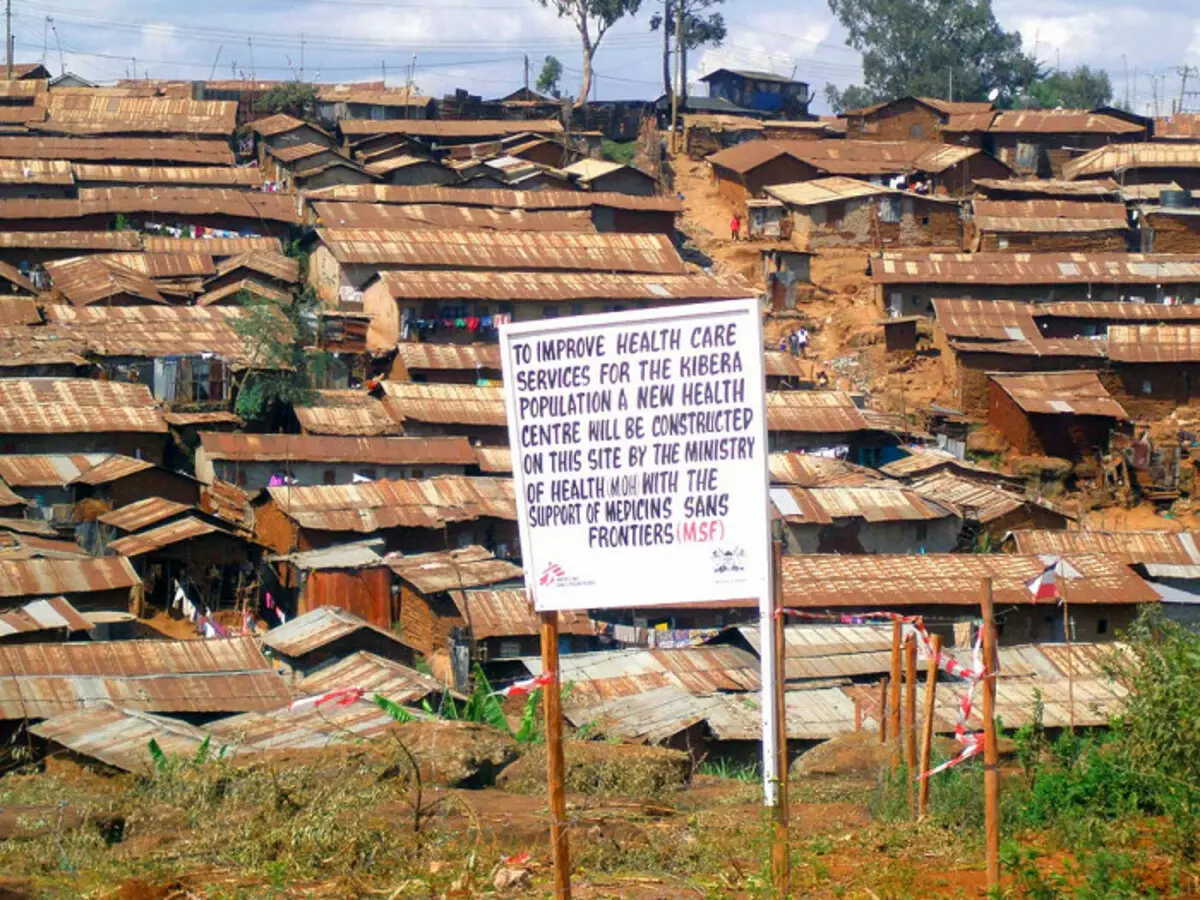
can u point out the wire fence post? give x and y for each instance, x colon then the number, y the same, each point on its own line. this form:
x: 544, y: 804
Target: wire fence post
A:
x: 894, y: 712
x: 883, y: 705
x: 552, y: 697
x: 910, y: 717
x: 991, y: 755
x: 931, y: 677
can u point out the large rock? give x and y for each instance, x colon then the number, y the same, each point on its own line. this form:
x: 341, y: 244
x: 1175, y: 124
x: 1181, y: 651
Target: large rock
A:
x: 1044, y: 468
x: 626, y: 770
x: 986, y: 440
x: 458, y: 754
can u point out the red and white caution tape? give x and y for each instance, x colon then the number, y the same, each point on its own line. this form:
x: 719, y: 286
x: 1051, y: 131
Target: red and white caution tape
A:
x: 342, y: 697
x: 972, y: 747
x: 528, y: 686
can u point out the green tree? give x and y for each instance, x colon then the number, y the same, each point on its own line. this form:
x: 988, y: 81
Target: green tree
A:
x: 295, y: 98
x: 853, y: 97
x: 700, y: 28
x: 1081, y: 88
x: 592, y: 19
x: 550, y: 76
x: 918, y: 47
x: 281, y: 366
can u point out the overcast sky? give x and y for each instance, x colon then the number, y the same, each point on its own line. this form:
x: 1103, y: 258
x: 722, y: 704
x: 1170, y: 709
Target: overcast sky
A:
x: 479, y: 45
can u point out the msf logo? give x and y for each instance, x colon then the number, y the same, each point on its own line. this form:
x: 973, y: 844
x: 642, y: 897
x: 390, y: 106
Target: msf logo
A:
x: 551, y: 574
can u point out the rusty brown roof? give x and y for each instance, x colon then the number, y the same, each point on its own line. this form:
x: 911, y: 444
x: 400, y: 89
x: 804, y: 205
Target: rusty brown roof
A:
x: 1060, y: 393
x: 210, y: 176
x: 971, y: 498
x: 465, y: 357
x: 1049, y: 216
x: 1161, y: 547
x: 422, y: 195
x: 886, y: 581
x: 85, y: 280
x: 43, y: 615
x: 141, y: 513
x: 846, y: 157
x: 451, y: 404
x: 923, y: 461
x: 297, y: 152
x: 986, y: 320
x: 76, y: 406
x: 83, y: 114
x: 1154, y: 343
x: 35, y: 171
x: 494, y: 460
x: 508, y: 613
x: 280, y: 123
x: 1033, y: 268
x: 164, y: 266
x: 1112, y: 159
x: 1042, y: 121
x: 1083, y: 348
x: 32, y: 345
x: 318, y: 628
x: 51, y: 577
x: 106, y: 149
x: 216, y: 247
x: 265, y: 262
x: 872, y: 503
x: 187, y: 528
x: 549, y: 287
x: 806, y: 470
x: 398, y: 451
x: 1050, y: 187
x: 13, y: 276
x: 47, y: 469
x: 1118, y: 312
x: 234, y: 289
x: 370, y: 95
x: 112, y: 241
x: 346, y: 412
x: 648, y: 253
x: 457, y: 128
x: 1179, y: 127
x: 384, y: 216
x: 43, y: 680
x: 784, y: 365
x: 826, y: 412
x: 413, y: 503
x: 457, y: 569
x: 191, y: 201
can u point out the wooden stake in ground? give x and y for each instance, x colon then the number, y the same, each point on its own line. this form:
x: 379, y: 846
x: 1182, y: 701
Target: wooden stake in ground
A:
x: 931, y: 676
x: 910, y: 716
x: 883, y: 709
x: 894, y: 712
x: 552, y: 699
x: 991, y: 755
x: 1062, y: 588
x: 780, y: 854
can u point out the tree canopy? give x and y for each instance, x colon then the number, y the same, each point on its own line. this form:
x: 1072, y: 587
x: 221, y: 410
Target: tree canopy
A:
x: 919, y: 47
x: 1081, y: 88
x: 283, y: 367
x: 295, y: 98
x: 550, y: 76
x: 592, y: 19
x: 700, y: 28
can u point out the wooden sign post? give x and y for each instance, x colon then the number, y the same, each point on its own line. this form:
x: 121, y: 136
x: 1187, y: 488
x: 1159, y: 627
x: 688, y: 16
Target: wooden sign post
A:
x: 894, y: 712
x: 910, y: 717
x: 555, y: 764
x: 883, y: 709
x: 931, y: 677
x: 991, y: 755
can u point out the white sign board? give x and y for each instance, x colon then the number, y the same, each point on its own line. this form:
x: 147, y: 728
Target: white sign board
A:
x: 639, y: 444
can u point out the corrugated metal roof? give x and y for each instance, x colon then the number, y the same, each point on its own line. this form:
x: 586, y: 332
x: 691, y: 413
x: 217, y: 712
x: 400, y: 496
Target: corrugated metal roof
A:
x: 112, y: 468
x: 365, y: 554
x: 51, y: 577
x: 1116, y: 312
x: 465, y: 357
x: 497, y: 199
x: 1049, y: 216
x: 467, y: 567
x: 19, y: 311
x: 372, y: 674
x: 1050, y: 187
x: 27, y: 526
x: 163, y: 265
x: 319, y: 628
x: 1083, y: 348
x: 451, y: 404
x: 544, y: 287
x: 1162, y: 547
x: 105, y: 149
x: 826, y: 412
x: 82, y: 114
x: 141, y: 513
x: 805, y: 470
x: 47, y: 470
x: 1154, y: 343
x: 187, y: 528
x: 13, y: 276
x: 297, y: 152
x: 212, y: 246
x: 369, y: 95
x: 448, y: 128
x: 184, y: 419
x: 373, y: 215
x: 366, y: 508
x: 280, y: 123
x: 921, y: 460
x: 1033, y: 268
x: 44, y: 680
x: 265, y: 262
x: 973, y: 499
x: 320, y: 448
x: 646, y: 253
x: 212, y: 176
x: 1115, y: 158
x: 494, y: 459
x: 1043, y: 121
x: 250, y: 286
x: 1056, y: 393
x: 508, y: 613
x: 76, y: 405
x: 22, y: 345
x: 348, y: 412
x: 847, y: 157
x: 825, y: 190
x: 823, y: 505
x: 112, y: 241
x: 189, y: 201
x: 35, y: 171
x: 9, y: 498
x: 885, y: 581
x: 43, y: 615
x: 85, y: 280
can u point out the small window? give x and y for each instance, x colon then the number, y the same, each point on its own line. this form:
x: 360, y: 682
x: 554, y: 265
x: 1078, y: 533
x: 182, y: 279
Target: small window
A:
x: 549, y: 312
x: 1027, y: 157
x: 916, y: 131
x: 925, y: 219
x: 328, y: 477
x: 577, y: 309
x: 922, y: 531
x: 1002, y: 243
x: 417, y: 473
x: 368, y: 474
x: 1102, y: 626
x: 890, y: 209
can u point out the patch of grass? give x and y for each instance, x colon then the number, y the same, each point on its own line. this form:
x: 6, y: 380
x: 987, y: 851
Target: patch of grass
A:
x: 749, y: 772
x: 618, y: 152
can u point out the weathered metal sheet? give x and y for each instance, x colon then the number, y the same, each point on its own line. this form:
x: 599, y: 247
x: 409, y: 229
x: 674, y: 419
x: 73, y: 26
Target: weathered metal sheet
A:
x: 111, y: 241
x: 543, y: 287
x: 51, y: 577
x: 1169, y: 548
x: 1059, y: 121
x: 508, y: 613
x: 494, y: 460
x: 319, y: 628
x: 1049, y: 216
x: 397, y: 451
x: 450, y: 404
x: 1154, y: 343
x: 806, y: 470
x: 986, y: 320
x: 36, y: 172
x: 1116, y: 312
x: 196, y: 201
x: 823, y: 505
x: 164, y: 265
x: 493, y: 199
x: 1059, y: 393
x: 85, y: 280
x: 1049, y: 187
x: 835, y: 189
x: 280, y: 123
x: 103, y: 149
x: 187, y: 528
x: 387, y: 216
x: 1112, y: 158
x: 47, y: 470
x: 138, y: 515
x: 1033, y: 268
x: 264, y: 262
x: 823, y: 412
x: 81, y: 114
x: 971, y: 498
x: 450, y: 128
x: 468, y: 567
x: 209, y: 176
x: 249, y: 285
x: 348, y: 412
x: 365, y: 508
x: 886, y: 581
x: 51, y: 614
x: 19, y: 311
x: 215, y: 246
x: 76, y: 405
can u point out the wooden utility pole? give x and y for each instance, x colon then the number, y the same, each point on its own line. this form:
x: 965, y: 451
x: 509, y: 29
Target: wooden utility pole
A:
x: 780, y: 874
x: 910, y: 714
x: 1062, y: 589
x: 552, y: 698
x: 8, y: 47
x: 991, y: 755
x: 678, y: 71
x: 931, y: 676
x: 894, y: 712
x: 883, y: 709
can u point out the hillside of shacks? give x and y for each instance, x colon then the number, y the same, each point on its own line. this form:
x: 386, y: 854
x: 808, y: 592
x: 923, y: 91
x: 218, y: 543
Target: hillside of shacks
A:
x: 253, y: 442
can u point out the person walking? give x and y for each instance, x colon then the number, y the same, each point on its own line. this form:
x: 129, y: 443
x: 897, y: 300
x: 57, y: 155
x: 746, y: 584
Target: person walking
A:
x: 735, y: 227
